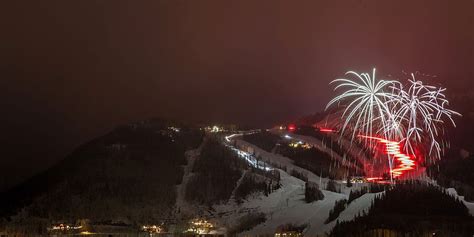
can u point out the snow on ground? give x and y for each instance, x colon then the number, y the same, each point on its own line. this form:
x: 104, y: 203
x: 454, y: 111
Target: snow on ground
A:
x: 318, y: 144
x: 357, y: 206
x: 283, y: 206
x: 469, y: 205
x: 287, y: 205
x: 280, y: 161
x: 232, y: 195
x: 182, y: 207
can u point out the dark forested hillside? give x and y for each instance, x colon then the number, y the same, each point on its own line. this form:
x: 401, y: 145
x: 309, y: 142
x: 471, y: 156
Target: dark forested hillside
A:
x: 411, y: 209
x: 219, y: 172
x: 216, y: 173
x: 129, y: 175
x: 315, y: 161
x: 456, y: 172
x: 265, y: 140
x: 329, y: 141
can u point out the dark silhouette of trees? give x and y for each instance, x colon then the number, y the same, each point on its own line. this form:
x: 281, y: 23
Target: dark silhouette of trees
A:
x: 377, y: 188
x: 216, y: 172
x: 247, y: 222
x: 411, y: 209
x: 348, y: 182
x: 354, y: 194
x: 339, y: 206
x: 254, y: 182
x: 129, y: 174
x: 299, y: 175
x: 264, y: 140
x: 331, y: 186
x: 329, y: 141
x: 312, y: 192
x: 455, y: 172
x: 314, y: 160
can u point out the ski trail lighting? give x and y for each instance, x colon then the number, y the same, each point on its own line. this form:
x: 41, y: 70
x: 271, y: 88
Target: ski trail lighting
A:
x: 393, y: 149
x: 327, y: 130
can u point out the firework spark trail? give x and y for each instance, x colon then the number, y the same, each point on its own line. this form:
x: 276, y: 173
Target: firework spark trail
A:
x: 368, y: 103
x: 419, y: 112
x: 385, y: 109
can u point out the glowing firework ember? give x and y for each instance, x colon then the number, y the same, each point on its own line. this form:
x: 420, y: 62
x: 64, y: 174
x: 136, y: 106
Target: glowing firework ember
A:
x: 384, y: 111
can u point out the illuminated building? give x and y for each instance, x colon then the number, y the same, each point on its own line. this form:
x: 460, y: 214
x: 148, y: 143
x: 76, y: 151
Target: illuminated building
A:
x: 214, y: 129
x: 63, y: 228
x: 300, y: 144
x: 153, y: 229
x: 288, y: 234
x: 175, y: 129
x: 200, y: 226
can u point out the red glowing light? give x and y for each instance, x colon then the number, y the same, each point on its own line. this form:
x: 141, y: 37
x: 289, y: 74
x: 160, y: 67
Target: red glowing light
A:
x: 291, y: 127
x: 379, y: 180
x: 326, y: 130
x: 374, y: 178
x: 393, y: 148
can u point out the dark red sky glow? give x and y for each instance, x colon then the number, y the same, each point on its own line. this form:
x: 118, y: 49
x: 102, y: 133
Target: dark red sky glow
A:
x: 74, y: 70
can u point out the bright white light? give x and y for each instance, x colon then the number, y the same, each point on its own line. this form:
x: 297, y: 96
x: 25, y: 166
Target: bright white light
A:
x: 419, y: 112
x: 227, y: 138
x: 385, y: 109
x: 366, y: 111
x: 250, y: 159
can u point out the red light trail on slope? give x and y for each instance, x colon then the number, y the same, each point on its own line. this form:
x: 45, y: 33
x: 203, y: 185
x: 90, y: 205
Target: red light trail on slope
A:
x: 326, y: 130
x: 392, y: 148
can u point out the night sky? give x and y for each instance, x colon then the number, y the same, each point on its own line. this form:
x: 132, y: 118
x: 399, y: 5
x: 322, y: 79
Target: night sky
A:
x: 71, y: 71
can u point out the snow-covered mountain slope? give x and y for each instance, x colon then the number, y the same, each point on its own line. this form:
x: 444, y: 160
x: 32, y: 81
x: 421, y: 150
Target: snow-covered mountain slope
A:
x: 320, y: 145
x: 287, y: 206
x: 278, y: 160
x: 469, y: 205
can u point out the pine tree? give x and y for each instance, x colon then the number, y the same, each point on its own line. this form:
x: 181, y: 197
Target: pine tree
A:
x: 349, y: 182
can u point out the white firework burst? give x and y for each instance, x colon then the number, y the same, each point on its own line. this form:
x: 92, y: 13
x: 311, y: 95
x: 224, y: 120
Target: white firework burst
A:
x: 365, y: 98
x: 419, y: 111
x: 411, y: 117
